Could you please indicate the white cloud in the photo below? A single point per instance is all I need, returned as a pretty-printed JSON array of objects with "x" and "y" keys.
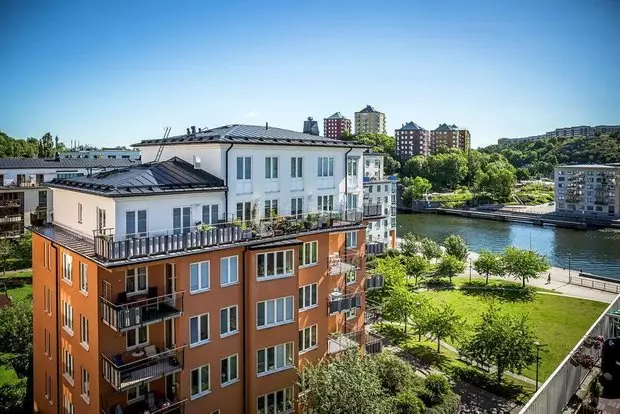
[{"x": 252, "y": 114}]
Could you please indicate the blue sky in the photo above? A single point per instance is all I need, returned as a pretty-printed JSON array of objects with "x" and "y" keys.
[{"x": 115, "y": 72}]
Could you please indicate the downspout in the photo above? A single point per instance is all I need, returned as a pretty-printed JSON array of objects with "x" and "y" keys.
[
  {"x": 346, "y": 179},
  {"x": 244, "y": 320},
  {"x": 226, "y": 191},
  {"x": 58, "y": 379}
]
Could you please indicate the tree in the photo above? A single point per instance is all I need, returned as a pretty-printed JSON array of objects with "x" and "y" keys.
[
  {"x": 498, "y": 180},
  {"x": 420, "y": 315},
  {"x": 46, "y": 146},
  {"x": 390, "y": 165},
  {"x": 393, "y": 271},
  {"x": 415, "y": 189},
  {"x": 523, "y": 264},
  {"x": 436, "y": 387},
  {"x": 523, "y": 174},
  {"x": 450, "y": 266},
  {"x": 23, "y": 250},
  {"x": 399, "y": 305},
  {"x": 456, "y": 247},
  {"x": 443, "y": 322},
  {"x": 395, "y": 374},
  {"x": 410, "y": 245},
  {"x": 416, "y": 266},
  {"x": 415, "y": 167},
  {"x": 407, "y": 402},
  {"x": 16, "y": 334},
  {"x": 346, "y": 384},
  {"x": 6, "y": 252},
  {"x": 430, "y": 249},
  {"x": 489, "y": 263},
  {"x": 503, "y": 340}
]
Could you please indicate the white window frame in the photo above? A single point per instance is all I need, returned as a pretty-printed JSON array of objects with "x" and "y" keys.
[
  {"x": 67, "y": 317},
  {"x": 140, "y": 393},
  {"x": 309, "y": 254},
  {"x": 352, "y": 166},
  {"x": 84, "y": 278},
  {"x": 287, "y": 395},
  {"x": 136, "y": 221},
  {"x": 287, "y": 306},
  {"x": 306, "y": 292},
  {"x": 67, "y": 268},
  {"x": 68, "y": 404},
  {"x": 228, "y": 363},
  {"x": 245, "y": 171},
  {"x": 351, "y": 239},
  {"x": 80, "y": 212},
  {"x": 306, "y": 334},
  {"x": 199, "y": 332},
  {"x": 84, "y": 332},
  {"x": 287, "y": 358},
  {"x": 297, "y": 206},
  {"x": 135, "y": 274},
  {"x": 68, "y": 365},
  {"x": 325, "y": 203},
  {"x": 272, "y": 168},
  {"x": 227, "y": 313},
  {"x": 228, "y": 278},
  {"x": 201, "y": 392},
  {"x": 325, "y": 166},
  {"x": 297, "y": 167},
  {"x": 270, "y": 206},
  {"x": 288, "y": 262},
  {"x": 49, "y": 392},
  {"x": 201, "y": 279},
  {"x": 85, "y": 385},
  {"x": 138, "y": 344},
  {"x": 350, "y": 277}
]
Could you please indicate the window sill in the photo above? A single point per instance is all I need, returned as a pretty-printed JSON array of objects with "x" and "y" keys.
[
  {"x": 274, "y": 371},
  {"x": 197, "y": 344},
  {"x": 312, "y": 348},
  {"x": 229, "y": 284},
  {"x": 200, "y": 394},
  {"x": 273, "y": 325},
  {"x": 308, "y": 265},
  {"x": 227, "y": 334},
  {"x": 69, "y": 379},
  {"x": 226, "y": 384},
  {"x": 137, "y": 293},
  {"x": 85, "y": 398},
  {"x": 85, "y": 346},
  {"x": 84, "y": 292},
  {"x": 67, "y": 330},
  {"x": 195, "y": 292},
  {"x": 267, "y": 278},
  {"x": 307, "y": 308},
  {"x": 67, "y": 281}
]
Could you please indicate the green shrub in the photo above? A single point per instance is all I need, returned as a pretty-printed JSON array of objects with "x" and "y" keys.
[
  {"x": 450, "y": 405},
  {"x": 436, "y": 387},
  {"x": 395, "y": 374},
  {"x": 407, "y": 402}
]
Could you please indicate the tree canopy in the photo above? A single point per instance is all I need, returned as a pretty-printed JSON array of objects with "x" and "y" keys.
[
  {"x": 450, "y": 266},
  {"x": 456, "y": 247},
  {"x": 523, "y": 264},
  {"x": 442, "y": 322},
  {"x": 489, "y": 263},
  {"x": 30, "y": 147}
]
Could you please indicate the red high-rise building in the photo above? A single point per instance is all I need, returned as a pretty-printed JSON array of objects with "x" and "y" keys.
[{"x": 336, "y": 125}]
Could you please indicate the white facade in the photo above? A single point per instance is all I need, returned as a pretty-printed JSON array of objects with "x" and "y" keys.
[
  {"x": 111, "y": 153},
  {"x": 587, "y": 190},
  {"x": 379, "y": 190}
]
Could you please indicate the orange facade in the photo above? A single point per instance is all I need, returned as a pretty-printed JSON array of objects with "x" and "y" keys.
[{"x": 183, "y": 323}]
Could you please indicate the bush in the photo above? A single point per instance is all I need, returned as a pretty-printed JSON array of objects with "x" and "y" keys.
[
  {"x": 485, "y": 381},
  {"x": 407, "y": 402},
  {"x": 436, "y": 387},
  {"x": 395, "y": 374},
  {"x": 450, "y": 405},
  {"x": 390, "y": 252}
]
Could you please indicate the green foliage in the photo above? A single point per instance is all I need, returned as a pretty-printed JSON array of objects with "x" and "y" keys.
[
  {"x": 455, "y": 246},
  {"x": 447, "y": 170},
  {"x": 416, "y": 266},
  {"x": 497, "y": 180},
  {"x": 535, "y": 193},
  {"x": 395, "y": 374},
  {"x": 449, "y": 405},
  {"x": 393, "y": 271},
  {"x": 410, "y": 245},
  {"x": 6, "y": 252},
  {"x": 415, "y": 189},
  {"x": 523, "y": 264},
  {"x": 430, "y": 249},
  {"x": 450, "y": 266},
  {"x": 408, "y": 402},
  {"x": 442, "y": 322},
  {"x": 398, "y": 305},
  {"x": 12, "y": 397},
  {"x": 489, "y": 264},
  {"x": 29, "y": 148},
  {"x": 383, "y": 144},
  {"x": 436, "y": 387},
  {"x": 522, "y": 174},
  {"x": 503, "y": 340},
  {"x": 46, "y": 146},
  {"x": 16, "y": 334}
]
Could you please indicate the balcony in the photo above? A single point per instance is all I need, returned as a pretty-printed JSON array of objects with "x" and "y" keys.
[
  {"x": 125, "y": 315},
  {"x": 12, "y": 219},
  {"x": 338, "y": 342},
  {"x": 374, "y": 248},
  {"x": 127, "y": 370},
  {"x": 339, "y": 302},
  {"x": 110, "y": 248},
  {"x": 349, "y": 262},
  {"x": 373, "y": 282},
  {"x": 372, "y": 210}
]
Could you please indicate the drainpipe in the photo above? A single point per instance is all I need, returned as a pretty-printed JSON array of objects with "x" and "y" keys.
[
  {"x": 346, "y": 179},
  {"x": 226, "y": 192},
  {"x": 244, "y": 320},
  {"x": 57, "y": 315}
]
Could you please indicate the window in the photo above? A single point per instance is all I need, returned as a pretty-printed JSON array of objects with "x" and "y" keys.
[
  {"x": 274, "y": 264},
  {"x": 228, "y": 321},
  {"x": 278, "y": 402},
  {"x": 309, "y": 253},
  {"x": 297, "y": 206},
  {"x": 67, "y": 268},
  {"x": 199, "y": 277},
  {"x": 351, "y": 277},
  {"x": 68, "y": 404},
  {"x": 67, "y": 365},
  {"x": 136, "y": 281},
  {"x": 137, "y": 337},
  {"x": 275, "y": 358},
  {"x": 325, "y": 203},
  {"x": 79, "y": 218},
  {"x": 244, "y": 211},
  {"x": 101, "y": 218},
  {"x": 352, "y": 167},
  {"x": 370, "y": 189},
  {"x": 351, "y": 313},
  {"x": 83, "y": 277},
  {"x": 307, "y": 338},
  {"x": 49, "y": 392},
  {"x": 228, "y": 270},
  {"x": 137, "y": 393},
  {"x": 47, "y": 300},
  {"x": 46, "y": 256},
  {"x": 297, "y": 167},
  {"x": 67, "y": 317},
  {"x": 228, "y": 367},
  {"x": 271, "y": 167},
  {"x": 85, "y": 391},
  {"x": 200, "y": 382},
  {"x": 43, "y": 198},
  {"x": 325, "y": 166},
  {"x": 271, "y": 208},
  {"x": 181, "y": 217},
  {"x": 351, "y": 239},
  {"x": 308, "y": 296},
  {"x": 84, "y": 334},
  {"x": 135, "y": 223},
  {"x": 244, "y": 168},
  {"x": 274, "y": 312},
  {"x": 198, "y": 330},
  {"x": 210, "y": 214}
]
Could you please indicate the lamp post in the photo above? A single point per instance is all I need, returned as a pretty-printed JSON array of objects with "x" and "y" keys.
[
  {"x": 537, "y": 361},
  {"x": 418, "y": 304},
  {"x": 569, "y": 280},
  {"x": 470, "y": 270}
]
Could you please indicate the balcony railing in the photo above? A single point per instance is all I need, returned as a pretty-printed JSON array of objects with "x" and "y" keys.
[
  {"x": 349, "y": 262},
  {"x": 373, "y": 282},
  {"x": 109, "y": 248},
  {"x": 338, "y": 342},
  {"x": 12, "y": 219},
  {"x": 123, "y": 375},
  {"x": 122, "y": 316},
  {"x": 372, "y": 210},
  {"x": 342, "y": 303},
  {"x": 374, "y": 248}
]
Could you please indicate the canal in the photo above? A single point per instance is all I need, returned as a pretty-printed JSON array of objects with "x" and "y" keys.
[{"x": 593, "y": 251}]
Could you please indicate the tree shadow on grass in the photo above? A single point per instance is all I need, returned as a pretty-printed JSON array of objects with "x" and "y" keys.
[
  {"x": 502, "y": 292},
  {"x": 487, "y": 381},
  {"x": 425, "y": 355}
]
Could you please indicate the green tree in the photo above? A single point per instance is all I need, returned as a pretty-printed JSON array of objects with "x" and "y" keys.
[
  {"x": 430, "y": 249},
  {"x": 522, "y": 174},
  {"x": 420, "y": 315},
  {"x": 399, "y": 305},
  {"x": 393, "y": 271},
  {"x": 416, "y": 266},
  {"x": 442, "y": 323},
  {"x": 415, "y": 189},
  {"x": 16, "y": 334},
  {"x": 498, "y": 180},
  {"x": 415, "y": 167},
  {"x": 408, "y": 402},
  {"x": 410, "y": 245},
  {"x": 379, "y": 142},
  {"x": 395, "y": 374},
  {"x": 46, "y": 146},
  {"x": 523, "y": 264},
  {"x": 503, "y": 340},
  {"x": 23, "y": 249},
  {"x": 437, "y": 388},
  {"x": 450, "y": 266},
  {"x": 456, "y": 247},
  {"x": 447, "y": 170},
  {"x": 6, "y": 252},
  {"x": 489, "y": 263}
]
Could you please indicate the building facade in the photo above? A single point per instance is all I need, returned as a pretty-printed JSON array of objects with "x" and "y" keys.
[
  {"x": 311, "y": 126},
  {"x": 336, "y": 126},
  {"x": 25, "y": 198},
  {"x": 198, "y": 284},
  {"x": 449, "y": 136},
  {"x": 369, "y": 120},
  {"x": 103, "y": 153},
  {"x": 587, "y": 190},
  {"x": 411, "y": 140},
  {"x": 583, "y": 131}
]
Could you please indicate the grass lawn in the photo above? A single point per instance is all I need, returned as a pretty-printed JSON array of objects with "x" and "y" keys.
[{"x": 558, "y": 322}]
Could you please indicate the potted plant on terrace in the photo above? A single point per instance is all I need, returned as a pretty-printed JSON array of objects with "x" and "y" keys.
[{"x": 208, "y": 234}]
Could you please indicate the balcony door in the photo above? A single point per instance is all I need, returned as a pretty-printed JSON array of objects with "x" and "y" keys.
[{"x": 181, "y": 217}]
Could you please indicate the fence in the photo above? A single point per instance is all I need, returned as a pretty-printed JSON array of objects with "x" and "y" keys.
[
  {"x": 558, "y": 389},
  {"x": 590, "y": 282}
]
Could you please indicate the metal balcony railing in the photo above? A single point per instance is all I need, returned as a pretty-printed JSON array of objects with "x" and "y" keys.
[
  {"x": 373, "y": 282},
  {"x": 123, "y": 375},
  {"x": 123, "y": 316},
  {"x": 343, "y": 302},
  {"x": 349, "y": 262},
  {"x": 374, "y": 248},
  {"x": 108, "y": 247},
  {"x": 12, "y": 219},
  {"x": 338, "y": 342},
  {"x": 372, "y": 210}
]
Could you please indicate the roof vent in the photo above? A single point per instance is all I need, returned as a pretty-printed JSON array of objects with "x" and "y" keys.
[
  {"x": 193, "y": 130},
  {"x": 197, "y": 162},
  {"x": 266, "y": 125},
  {"x": 187, "y": 131}
]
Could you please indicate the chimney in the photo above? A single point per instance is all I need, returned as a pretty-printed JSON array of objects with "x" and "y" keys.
[
  {"x": 266, "y": 125},
  {"x": 193, "y": 130},
  {"x": 187, "y": 131},
  {"x": 199, "y": 129}
]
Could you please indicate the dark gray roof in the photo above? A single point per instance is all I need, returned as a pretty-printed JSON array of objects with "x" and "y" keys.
[
  {"x": 276, "y": 244},
  {"x": 446, "y": 127},
  {"x": 368, "y": 109},
  {"x": 411, "y": 126},
  {"x": 337, "y": 115},
  {"x": 172, "y": 176},
  {"x": 250, "y": 134},
  {"x": 64, "y": 163}
]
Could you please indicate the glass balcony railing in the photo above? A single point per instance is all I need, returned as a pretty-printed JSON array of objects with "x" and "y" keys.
[
  {"x": 373, "y": 210},
  {"x": 124, "y": 314},
  {"x": 349, "y": 262},
  {"x": 374, "y": 248},
  {"x": 338, "y": 342}
]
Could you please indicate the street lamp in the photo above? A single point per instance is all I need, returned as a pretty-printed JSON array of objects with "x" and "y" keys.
[
  {"x": 537, "y": 361},
  {"x": 470, "y": 270},
  {"x": 569, "y": 268}
]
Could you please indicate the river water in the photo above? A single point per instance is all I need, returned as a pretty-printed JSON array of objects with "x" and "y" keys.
[{"x": 592, "y": 251}]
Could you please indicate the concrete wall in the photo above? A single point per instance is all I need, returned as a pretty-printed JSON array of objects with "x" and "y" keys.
[{"x": 65, "y": 211}]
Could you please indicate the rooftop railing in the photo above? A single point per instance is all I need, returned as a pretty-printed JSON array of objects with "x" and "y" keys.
[
  {"x": 110, "y": 248},
  {"x": 372, "y": 210},
  {"x": 124, "y": 314}
]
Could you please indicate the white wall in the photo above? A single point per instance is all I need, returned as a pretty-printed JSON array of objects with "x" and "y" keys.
[
  {"x": 372, "y": 170},
  {"x": 211, "y": 155},
  {"x": 10, "y": 175},
  {"x": 65, "y": 211}
]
